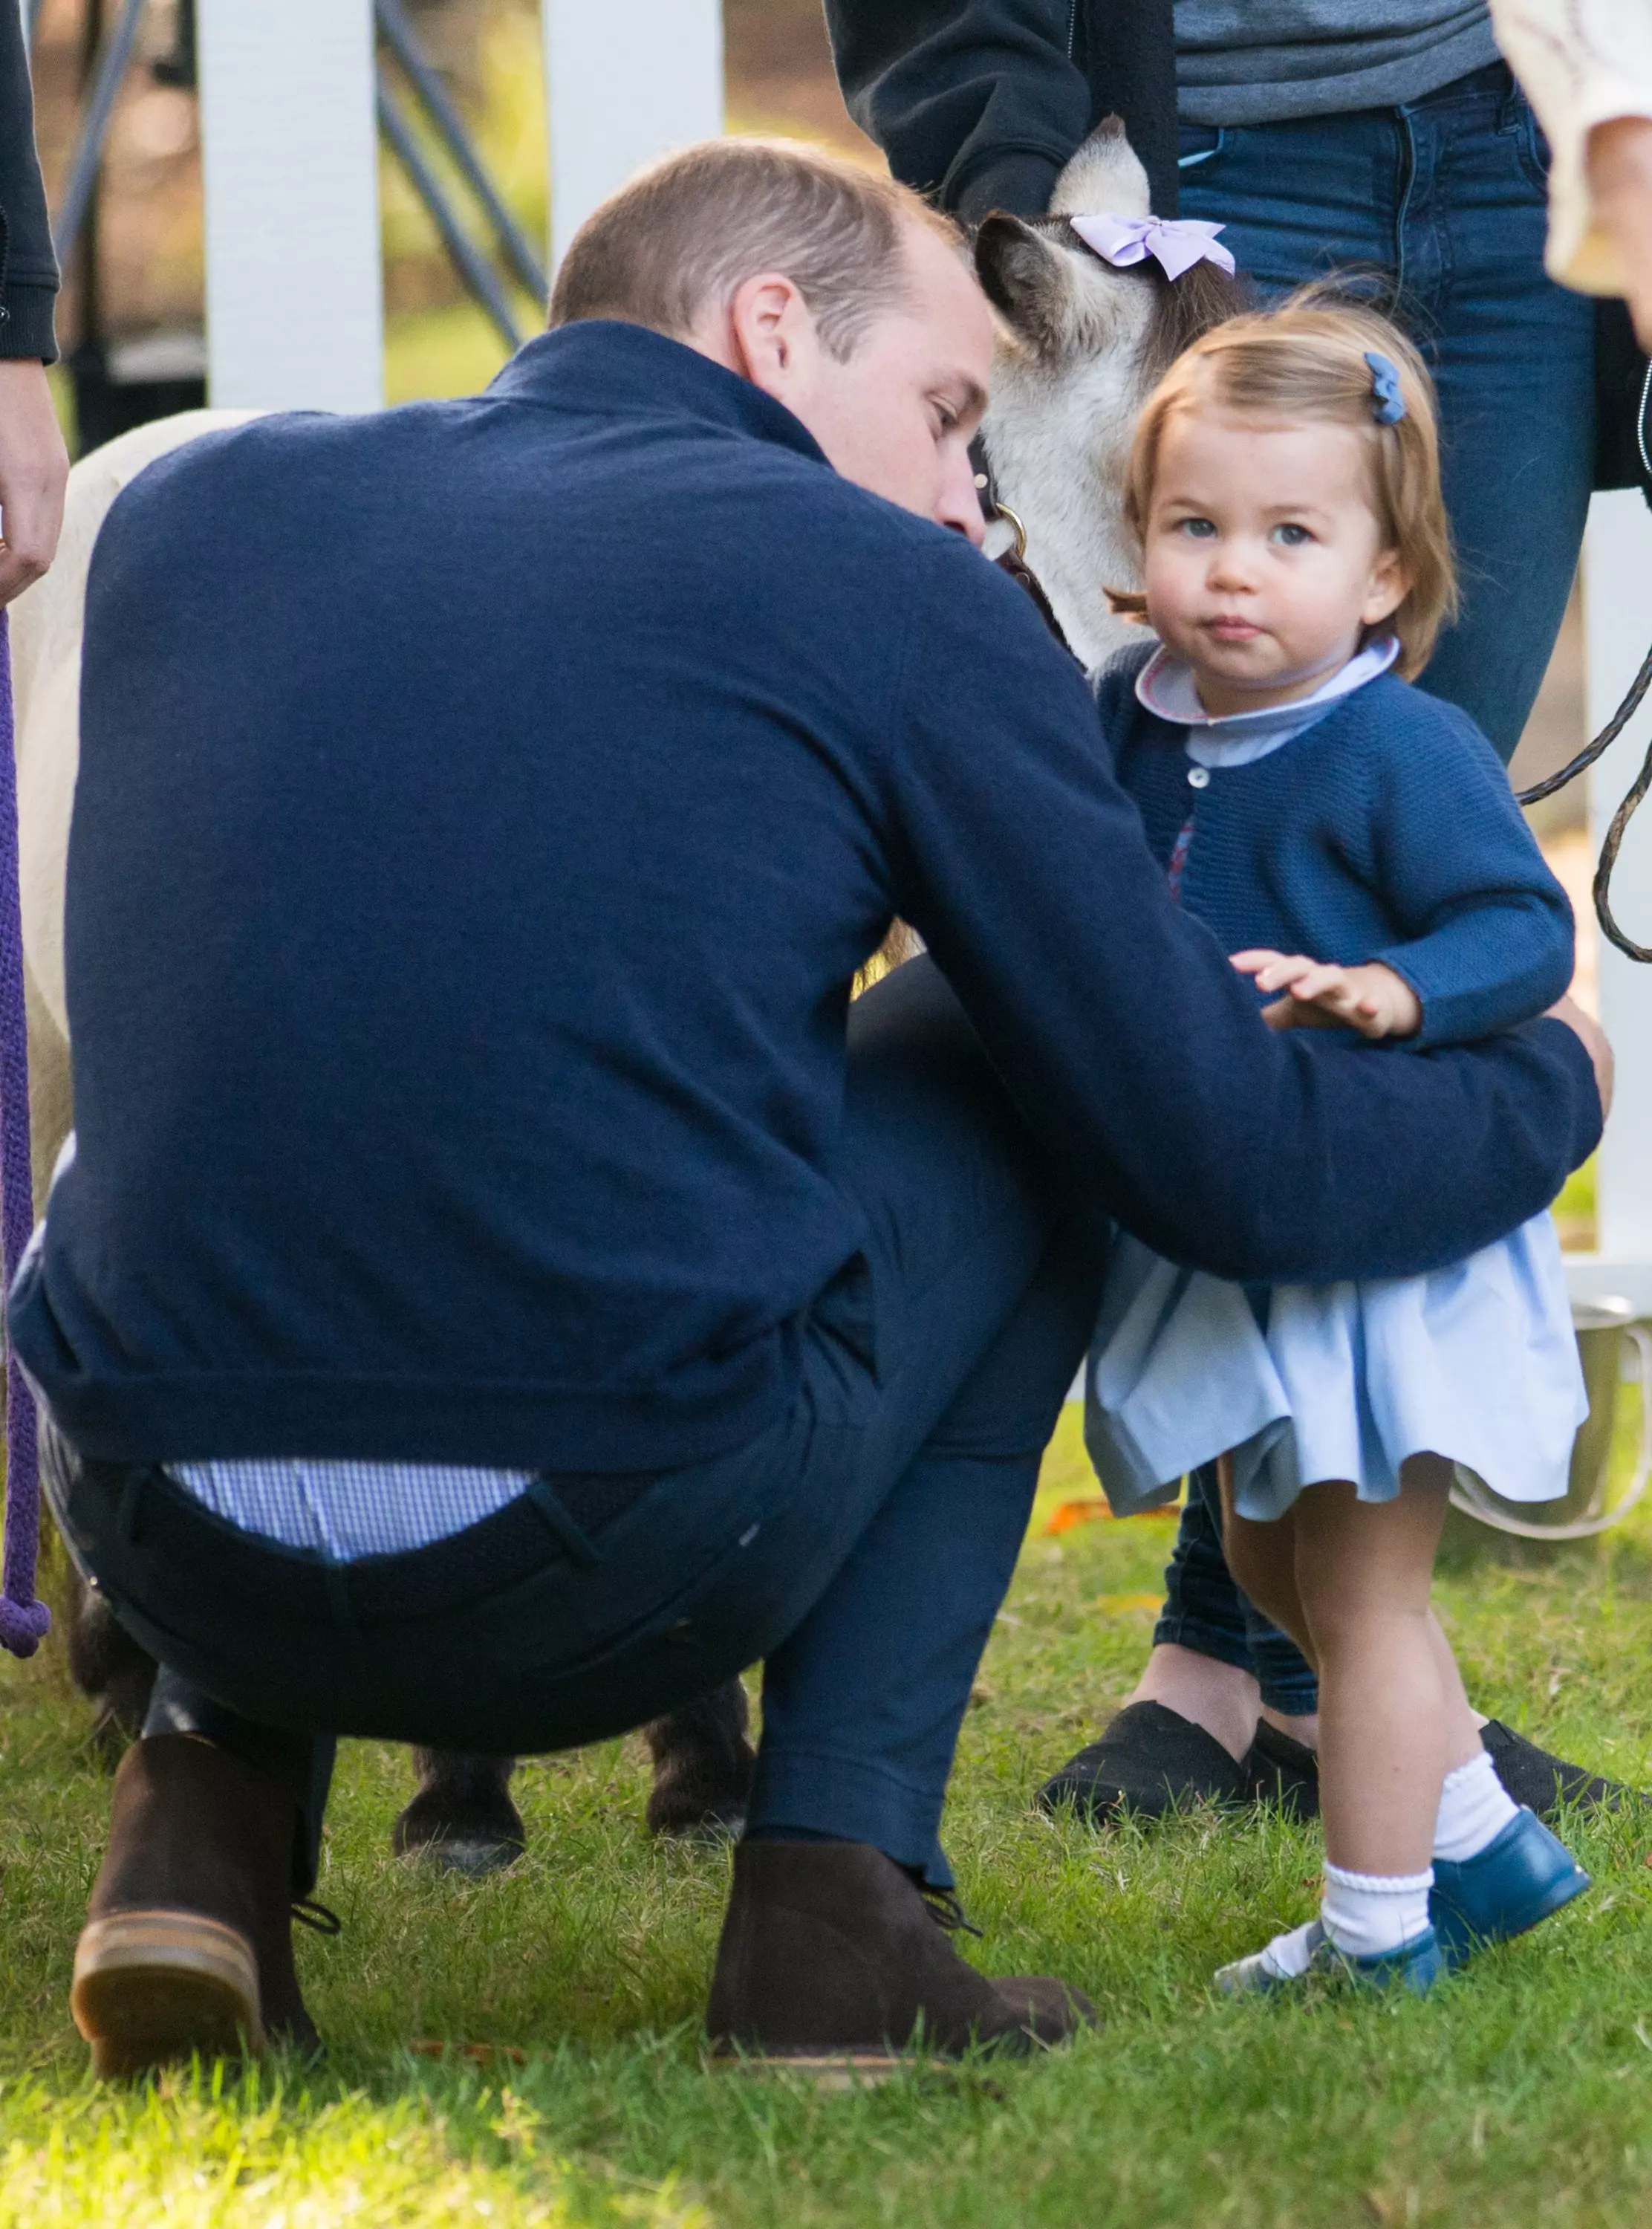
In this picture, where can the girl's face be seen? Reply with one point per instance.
(1263, 560)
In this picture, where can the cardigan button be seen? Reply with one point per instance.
(1199, 777)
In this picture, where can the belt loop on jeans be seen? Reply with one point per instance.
(572, 1537)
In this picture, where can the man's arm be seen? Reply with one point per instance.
(1128, 1040)
(975, 102)
(33, 463)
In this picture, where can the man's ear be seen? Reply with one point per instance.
(770, 332)
(1390, 583)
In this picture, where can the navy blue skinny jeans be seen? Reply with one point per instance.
(1442, 202)
(859, 1547)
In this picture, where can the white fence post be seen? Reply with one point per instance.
(295, 291)
(623, 86)
(1617, 620)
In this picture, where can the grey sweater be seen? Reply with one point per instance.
(1257, 61)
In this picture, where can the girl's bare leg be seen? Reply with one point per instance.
(1452, 1680)
(1393, 1717)
(1262, 1559)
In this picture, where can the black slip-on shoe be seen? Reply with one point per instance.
(1283, 1772)
(1543, 1782)
(1149, 1760)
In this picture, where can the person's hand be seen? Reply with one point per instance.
(1596, 1045)
(33, 472)
(1371, 998)
(1620, 186)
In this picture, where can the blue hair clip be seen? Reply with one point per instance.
(1388, 403)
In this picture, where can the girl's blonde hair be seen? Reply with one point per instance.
(1306, 361)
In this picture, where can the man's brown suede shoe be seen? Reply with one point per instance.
(829, 1949)
(187, 1945)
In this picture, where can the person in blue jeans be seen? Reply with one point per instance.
(1386, 142)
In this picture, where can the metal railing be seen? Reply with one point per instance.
(475, 268)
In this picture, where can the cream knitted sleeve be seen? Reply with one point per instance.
(1582, 62)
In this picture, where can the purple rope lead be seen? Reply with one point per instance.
(23, 1620)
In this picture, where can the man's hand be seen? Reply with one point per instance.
(1596, 1045)
(34, 472)
(1620, 185)
(1371, 998)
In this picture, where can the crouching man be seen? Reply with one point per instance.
(502, 1289)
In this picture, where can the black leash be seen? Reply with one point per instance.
(1013, 560)
(1602, 744)
(1625, 813)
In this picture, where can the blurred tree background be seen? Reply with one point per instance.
(135, 283)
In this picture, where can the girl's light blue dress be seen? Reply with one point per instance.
(1477, 1363)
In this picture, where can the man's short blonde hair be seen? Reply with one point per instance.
(686, 233)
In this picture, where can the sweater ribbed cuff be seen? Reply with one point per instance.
(1021, 181)
(27, 330)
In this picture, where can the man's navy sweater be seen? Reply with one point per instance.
(483, 809)
(1385, 830)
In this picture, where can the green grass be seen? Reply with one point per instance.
(1522, 2092)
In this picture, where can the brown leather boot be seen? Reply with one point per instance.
(830, 1950)
(187, 1945)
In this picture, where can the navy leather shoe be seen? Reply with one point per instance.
(1516, 1881)
(1416, 1966)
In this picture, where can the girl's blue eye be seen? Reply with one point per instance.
(1292, 535)
(1199, 529)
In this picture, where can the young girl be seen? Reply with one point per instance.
(1354, 844)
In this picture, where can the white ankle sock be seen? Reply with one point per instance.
(1365, 1913)
(1286, 1957)
(1475, 1807)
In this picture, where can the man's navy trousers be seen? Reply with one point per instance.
(860, 1546)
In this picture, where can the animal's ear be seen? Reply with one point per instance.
(1104, 174)
(1026, 279)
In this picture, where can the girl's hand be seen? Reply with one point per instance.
(1371, 998)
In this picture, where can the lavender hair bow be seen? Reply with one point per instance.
(1177, 243)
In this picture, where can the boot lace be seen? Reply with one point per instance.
(948, 1913)
(309, 1913)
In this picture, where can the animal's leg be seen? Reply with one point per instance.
(702, 1765)
(461, 1817)
(108, 1665)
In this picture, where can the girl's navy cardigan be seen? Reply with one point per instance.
(1385, 831)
